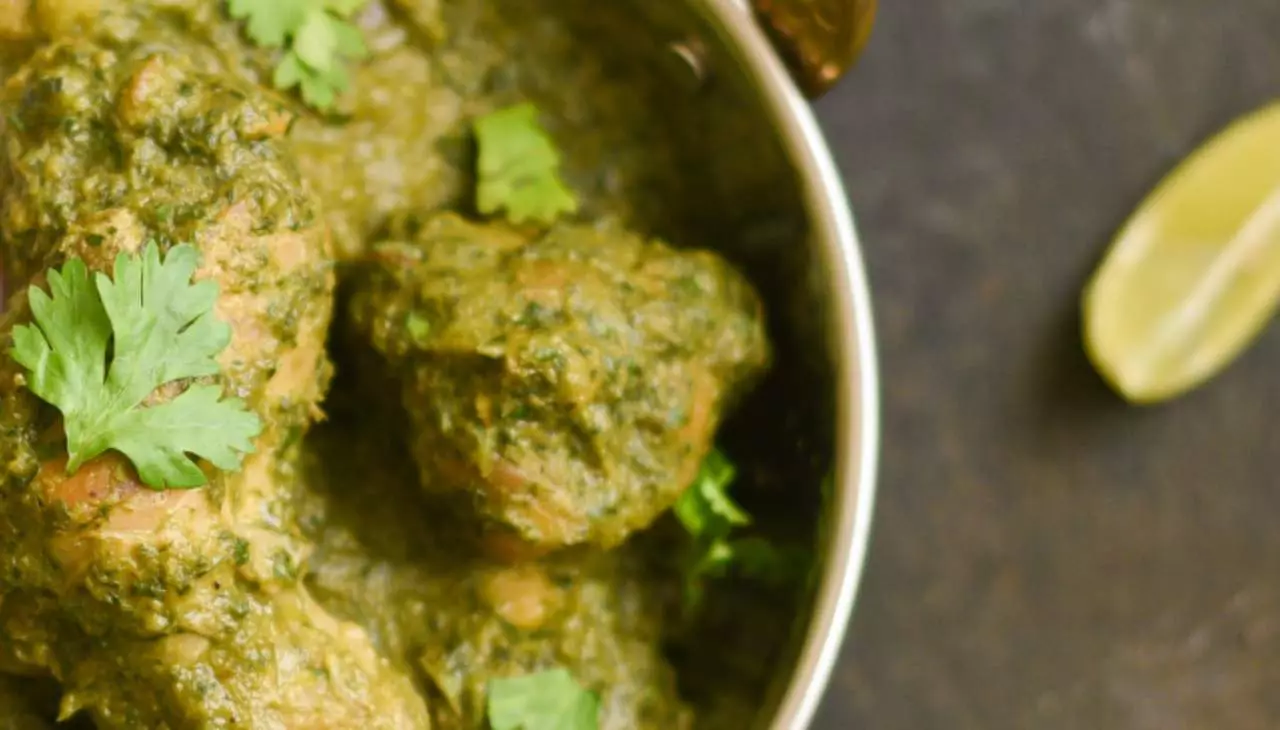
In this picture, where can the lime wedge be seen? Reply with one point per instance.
(1195, 273)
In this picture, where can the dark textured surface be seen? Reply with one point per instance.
(1043, 556)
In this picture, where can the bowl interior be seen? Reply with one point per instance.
(696, 154)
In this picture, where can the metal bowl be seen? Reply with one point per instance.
(819, 415)
(769, 195)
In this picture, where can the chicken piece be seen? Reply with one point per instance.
(160, 152)
(572, 382)
(587, 613)
(173, 609)
(167, 613)
(457, 620)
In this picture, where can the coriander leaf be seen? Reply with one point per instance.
(163, 324)
(319, 89)
(705, 508)
(350, 43)
(198, 421)
(548, 700)
(65, 357)
(316, 42)
(418, 326)
(289, 72)
(715, 560)
(336, 78)
(761, 560)
(708, 559)
(316, 36)
(270, 22)
(518, 169)
(316, 89)
(710, 516)
(158, 327)
(344, 8)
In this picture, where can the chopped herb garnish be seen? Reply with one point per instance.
(711, 517)
(760, 560)
(158, 327)
(418, 326)
(282, 566)
(519, 168)
(706, 508)
(318, 40)
(548, 700)
(241, 551)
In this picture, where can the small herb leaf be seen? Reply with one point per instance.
(198, 421)
(350, 43)
(316, 43)
(289, 73)
(518, 170)
(706, 507)
(269, 23)
(317, 37)
(159, 328)
(760, 560)
(548, 700)
(711, 518)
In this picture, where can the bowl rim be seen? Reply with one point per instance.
(852, 333)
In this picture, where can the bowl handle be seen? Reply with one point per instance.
(819, 39)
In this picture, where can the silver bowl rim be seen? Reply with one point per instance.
(853, 333)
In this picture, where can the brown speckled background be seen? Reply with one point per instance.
(1044, 556)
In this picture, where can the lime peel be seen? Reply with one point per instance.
(1195, 274)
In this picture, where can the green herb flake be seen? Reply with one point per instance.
(317, 37)
(760, 560)
(283, 567)
(419, 327)
(713, 520)
(548, 700)
(159, 328)
(706, 507)
(518, 169)
(240, 551)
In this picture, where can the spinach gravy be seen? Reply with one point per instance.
(473, 431)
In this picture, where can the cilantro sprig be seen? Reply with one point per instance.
(100, 346)
(318, 40)
(518, 169)
(705, 508)
(548, 700)
(713, 520)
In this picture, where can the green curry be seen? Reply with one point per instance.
(570, 382)
(514, 410)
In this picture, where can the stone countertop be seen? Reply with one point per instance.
(1043, 555)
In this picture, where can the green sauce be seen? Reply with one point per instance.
(348, 576)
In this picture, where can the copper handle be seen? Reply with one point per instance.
(819, 39)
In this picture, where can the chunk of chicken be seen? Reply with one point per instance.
(166, 596)
(173, 609)
(109, 146)
(457, 620)
(571, 382)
